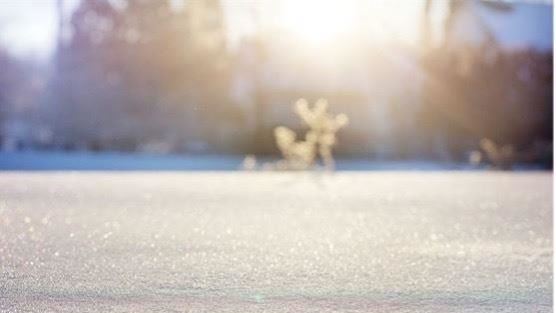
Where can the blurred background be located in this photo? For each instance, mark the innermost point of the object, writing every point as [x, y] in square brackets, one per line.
[419, 80]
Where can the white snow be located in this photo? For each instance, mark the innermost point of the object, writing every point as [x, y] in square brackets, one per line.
[275, 242]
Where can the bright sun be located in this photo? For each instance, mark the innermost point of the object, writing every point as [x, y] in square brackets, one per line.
[318, 22]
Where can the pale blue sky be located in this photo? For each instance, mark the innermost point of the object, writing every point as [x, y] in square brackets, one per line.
[28, 27]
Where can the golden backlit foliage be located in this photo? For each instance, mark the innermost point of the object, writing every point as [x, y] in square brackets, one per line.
[319, 139]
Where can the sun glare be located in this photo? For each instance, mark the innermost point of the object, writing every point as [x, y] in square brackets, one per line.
[318, 22]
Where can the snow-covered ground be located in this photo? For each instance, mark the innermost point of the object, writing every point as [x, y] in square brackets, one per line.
[275, 242]
[40, 160]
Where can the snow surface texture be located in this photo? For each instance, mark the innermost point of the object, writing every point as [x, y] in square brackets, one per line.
[276, 242]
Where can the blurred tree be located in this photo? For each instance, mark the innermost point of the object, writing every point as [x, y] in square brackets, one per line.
[19, 89]
[426, 29]
[478, 91]
[210, 68]
[260, 143]
[11, 79]
[140, 71]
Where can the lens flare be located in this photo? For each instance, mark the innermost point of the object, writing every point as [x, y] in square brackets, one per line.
[318, 22]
